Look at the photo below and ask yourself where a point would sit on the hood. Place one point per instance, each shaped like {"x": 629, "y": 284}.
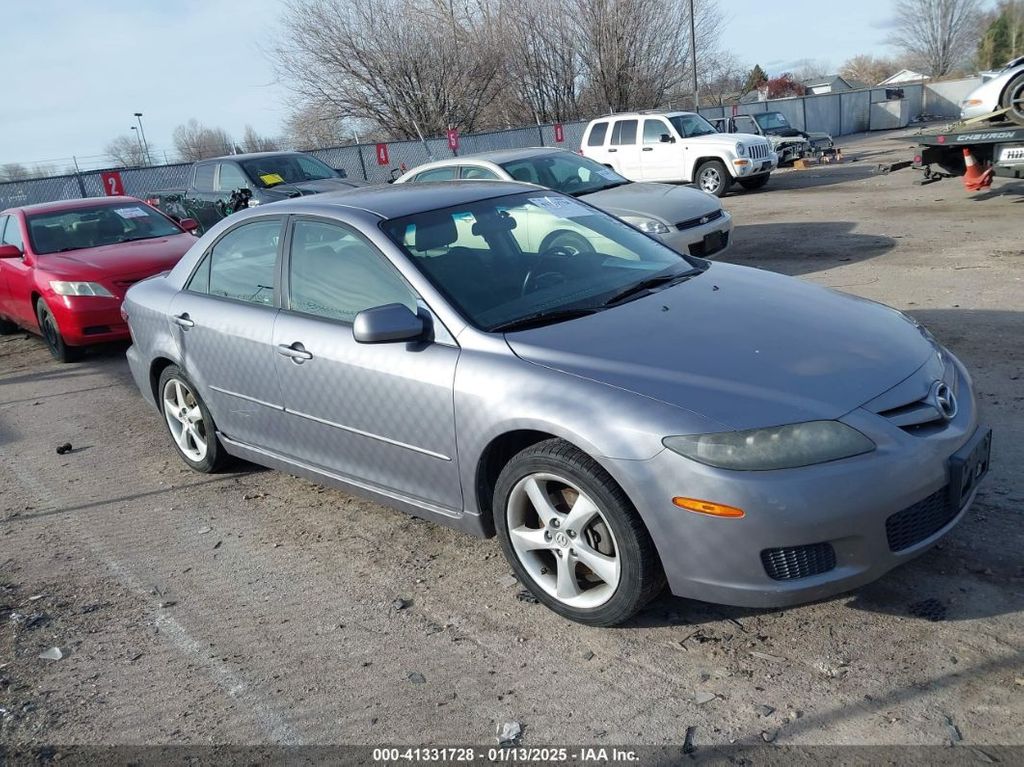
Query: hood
{"x": 786, "y": 133}
{"x": 744, "y": 347}
{"x": 671, "y": 204}
{"x": 727, "y": 139}
{"x": 138, "y": 259}
{"x": 316, "y": 186}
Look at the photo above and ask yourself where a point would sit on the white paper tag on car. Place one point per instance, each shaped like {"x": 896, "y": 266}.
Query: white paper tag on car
{"x": 131, "y": 212}
{"x": 564, "y": 207}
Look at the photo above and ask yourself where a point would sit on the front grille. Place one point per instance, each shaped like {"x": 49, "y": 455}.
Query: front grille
{"x": 792, "y": 562}
{"x": 922, "y": 520}
{"x": 759, "y": 151}
{"x": 700, "y": 249}
{"x": 700, "y": 220}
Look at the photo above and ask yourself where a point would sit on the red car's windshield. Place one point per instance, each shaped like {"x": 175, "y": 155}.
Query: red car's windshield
{"x": 97, "y": 226}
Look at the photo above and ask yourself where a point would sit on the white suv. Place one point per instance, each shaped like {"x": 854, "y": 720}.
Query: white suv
{"x": 679, "y": 146}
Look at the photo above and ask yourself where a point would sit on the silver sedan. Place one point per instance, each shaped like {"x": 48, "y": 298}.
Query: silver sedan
{"x": 619, "y": 418}
{"x": 684, "y": 218}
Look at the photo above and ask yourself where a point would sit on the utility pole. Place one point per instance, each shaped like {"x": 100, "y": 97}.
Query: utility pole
{"x": 693, "y": 56}
{"x": 149, "y": 157}
{"x": 142, "y": 149}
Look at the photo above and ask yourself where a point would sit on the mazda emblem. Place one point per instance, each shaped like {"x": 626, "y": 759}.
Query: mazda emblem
{"x": 943, "y": 399}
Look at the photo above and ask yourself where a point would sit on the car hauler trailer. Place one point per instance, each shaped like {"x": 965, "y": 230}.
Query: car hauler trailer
{"x": 996, "y": 146}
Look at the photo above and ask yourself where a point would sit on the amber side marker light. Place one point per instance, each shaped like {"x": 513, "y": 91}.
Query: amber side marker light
{"x": 707, "y": 507}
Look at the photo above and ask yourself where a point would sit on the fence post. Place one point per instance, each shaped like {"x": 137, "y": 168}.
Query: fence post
{"x": 78, "y": 177}
{"x": 540, "y": 133}
{"x": 362, "y": 162}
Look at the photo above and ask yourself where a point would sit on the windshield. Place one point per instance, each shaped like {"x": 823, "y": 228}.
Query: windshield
{"x": 564, "y": 172}
{"x": 530, "y": 255}
{"x": 286, "y": 169}
{"x": 771, "y": 121}
{"x": 97, "y": 226}
{"x": 690, "y": 125}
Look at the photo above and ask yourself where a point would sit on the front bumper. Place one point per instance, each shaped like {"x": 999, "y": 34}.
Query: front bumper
{"x": 701, "y": 240}
{"x": 842, "y": 507}
{"x": 85, "y": 320}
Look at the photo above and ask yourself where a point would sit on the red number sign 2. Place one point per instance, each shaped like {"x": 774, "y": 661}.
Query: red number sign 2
{"x": 112, "y": 184}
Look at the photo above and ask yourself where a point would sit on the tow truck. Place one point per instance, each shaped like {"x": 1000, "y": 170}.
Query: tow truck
{"x": 995, "y": 145}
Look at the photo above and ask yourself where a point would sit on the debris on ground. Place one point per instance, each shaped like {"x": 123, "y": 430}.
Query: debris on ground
{"x": 700, "y": 637}
{"x": 36, "y": 597}
{"x": 768, "y": 657}
{"x": 769, "y": 736}
{"x": 401, "y": 604}
{"x": 509, "y": 733}
{"x": 526, "y": 596}
{"x": 54, "y": 653}
{"x": 953, "y": 731}
{"x": 417, "y": 678}
{"x": 688, "y": 747}
{"x": 763, "y": 710}
{"x": 588, "y": 655}
{"x": 64, "y": 449}
{"x": 704, "y": 697}
{"x": 929, "y": 609}
{"x": 204, "y": 530}
{"x": 168, "y": 603}
{"x": 832, "y": 670}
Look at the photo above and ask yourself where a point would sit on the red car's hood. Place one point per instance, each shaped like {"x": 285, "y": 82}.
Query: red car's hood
{"x": 137, "y": 259}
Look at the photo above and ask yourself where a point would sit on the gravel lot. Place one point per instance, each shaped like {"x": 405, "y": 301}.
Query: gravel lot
{"x": 254, "y": 607}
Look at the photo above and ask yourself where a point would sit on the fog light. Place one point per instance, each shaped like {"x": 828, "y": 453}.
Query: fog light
{"x": 707, "y": 507}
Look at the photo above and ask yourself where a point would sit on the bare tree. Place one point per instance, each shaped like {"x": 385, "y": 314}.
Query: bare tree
{"x": 410, "y": 66}
{"x": 126, "y": 152}
{"x": 13, "y": 171}
{"x": 723, "y": 79}
{"x": 254, "y": 142}
{"x": 307, "y": 127}
{"x": 937, "y": 35}
{"x": 195, "y": 141}
{"x": 869, "y": 69}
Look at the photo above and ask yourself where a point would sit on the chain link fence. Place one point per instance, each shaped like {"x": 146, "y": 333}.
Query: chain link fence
{"x": 838, "y": 114}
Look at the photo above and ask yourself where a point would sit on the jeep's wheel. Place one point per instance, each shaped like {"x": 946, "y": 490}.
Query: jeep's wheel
{"x": 713, "y": 178}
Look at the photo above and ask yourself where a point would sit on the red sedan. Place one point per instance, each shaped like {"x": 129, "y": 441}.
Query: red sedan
{"x": 65, "y": 266}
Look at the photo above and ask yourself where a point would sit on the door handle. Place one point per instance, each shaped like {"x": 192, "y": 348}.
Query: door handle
{"x": 613, "y": 150}
{"x": 648, "y": 148}
{"x": 295, "y": 351}
{"x": 183, "y": 320}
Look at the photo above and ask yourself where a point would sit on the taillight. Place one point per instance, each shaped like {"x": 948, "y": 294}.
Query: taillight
{"x": 154, "y": 201}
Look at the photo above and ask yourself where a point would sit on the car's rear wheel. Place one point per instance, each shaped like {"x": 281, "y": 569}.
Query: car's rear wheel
{"x": 51, "y": 335}
{"x": 1013, "y": 99}
{"x": 572, "y": 536}
{"x": 189, "y": 422}
{"x": 757, "y": 182}
{"x": 713, "y": 178}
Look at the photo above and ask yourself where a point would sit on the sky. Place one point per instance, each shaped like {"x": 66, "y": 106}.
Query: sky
{"x": 75, "y": 72}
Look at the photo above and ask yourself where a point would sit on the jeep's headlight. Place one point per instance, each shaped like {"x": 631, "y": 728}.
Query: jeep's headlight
{"x": 741, "y": 150}
{"x": 79, "y": 289}
{"x": 645, "y": 224}
{"x": 779, "y": 447}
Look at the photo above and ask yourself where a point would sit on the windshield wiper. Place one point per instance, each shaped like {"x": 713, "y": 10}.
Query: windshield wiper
{"x": 542, "y": 318}
{"x": 147, "y": 237}
{"x": 612, "y": 185}
{"x": 634, "y": 291}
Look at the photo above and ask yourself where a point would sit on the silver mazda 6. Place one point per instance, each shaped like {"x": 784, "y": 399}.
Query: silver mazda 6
{"x": 619, "y": 417}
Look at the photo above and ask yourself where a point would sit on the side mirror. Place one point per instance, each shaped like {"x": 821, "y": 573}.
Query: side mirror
{"x": 189, "y": 225}
{"x": 342, "y": 173}
{"x": 387, "y": 324}
{"x": 667, "y": 139}
{"x": 10, "y": 251}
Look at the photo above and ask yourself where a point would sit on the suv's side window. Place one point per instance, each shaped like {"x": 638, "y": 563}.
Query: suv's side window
{"x": 12, "y": 234}
{"x": 597, "y": 134}
{"x": 242, "y": 264}
{"x": 624, "y": 132}
{"x": 335, "y": 273}
{"x": 230, "y": 178}
{"x": 744, "y": 124}
{"x": 437, "y": 174}
{"x": 203, "y": 181}
{"x": 654, "y": 130}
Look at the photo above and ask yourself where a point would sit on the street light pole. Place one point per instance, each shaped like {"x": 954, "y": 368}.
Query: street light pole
{"x": 149, "y": 157}
{"x": 693, "y": 55}
{"x": 142, "y": 151}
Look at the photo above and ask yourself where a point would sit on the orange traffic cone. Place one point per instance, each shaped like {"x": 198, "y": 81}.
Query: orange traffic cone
{"x": 976, "y": 179}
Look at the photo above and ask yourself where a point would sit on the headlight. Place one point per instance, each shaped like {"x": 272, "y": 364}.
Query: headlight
{"x": 80, "y": 289}
{"x": 780, "y": 447}
{"x": 741, "y": 150}
{"x": 253, "y": 202}
{"x": 649, "y": 225}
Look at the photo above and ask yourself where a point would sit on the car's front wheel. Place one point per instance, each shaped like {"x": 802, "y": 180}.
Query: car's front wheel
{"x": 189, "y": 422}
{"x": 757, "y": 182}
{"x": 572, "y": 536}
{"x": 713, "y": 178}
{"x": 51, "y": 334}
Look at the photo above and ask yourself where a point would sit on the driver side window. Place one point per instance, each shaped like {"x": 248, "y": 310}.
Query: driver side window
{"x": 230, "y": 178}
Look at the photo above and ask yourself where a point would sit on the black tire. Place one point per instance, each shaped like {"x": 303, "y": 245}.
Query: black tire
{"x": 757, "y": 182}
{"x": 215, "y": 456}
{"x": 641, "y": 577}
{"x": 563, "y": 238}
{"x": 50, "y": 332}
{"x": 7, "y": 327}
{"x": 1013, "y": 99}
{"x": 713, "y": 177}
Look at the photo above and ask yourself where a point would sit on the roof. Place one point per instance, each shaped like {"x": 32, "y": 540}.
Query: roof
{"x": 825, "y": 80}
{"x": 497, "y": 156}
{"x": 397, "y": 200}
{"x": 75, "y": 204}
{"x": 645, "y": 113}
{"x": 904, "y": 76}
{"x": 248, "y": 156}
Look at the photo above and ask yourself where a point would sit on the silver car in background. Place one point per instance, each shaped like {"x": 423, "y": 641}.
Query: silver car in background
{"x": 402, "y": 343}
{"x": 682, "y": 217}
{"x": 999, "y": 90}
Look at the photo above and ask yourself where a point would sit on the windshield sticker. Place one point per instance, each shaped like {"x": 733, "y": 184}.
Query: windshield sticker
{"x": 135, "y": 212}
{"x": 271, "y": 178}
{"x": 564, "y": 207}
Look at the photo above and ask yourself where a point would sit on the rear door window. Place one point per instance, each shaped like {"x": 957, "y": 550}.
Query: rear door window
{"x": 243, "y": 264}
{"x": 203, "y": 181}
{"x": 597, "y": 134}
{"x": 477, "y": 172}
{"x": 437, "y": 174}
{"x": 624, "y": 132}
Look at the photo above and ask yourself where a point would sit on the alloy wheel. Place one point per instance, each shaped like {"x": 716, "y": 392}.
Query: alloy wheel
{"x": 710, "y": 180}
{"x": 185, "y": 419}
{"x": 563, "y": 540}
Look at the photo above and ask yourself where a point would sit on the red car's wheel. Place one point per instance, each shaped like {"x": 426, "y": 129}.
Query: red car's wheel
{"x": 51, "y": 334}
